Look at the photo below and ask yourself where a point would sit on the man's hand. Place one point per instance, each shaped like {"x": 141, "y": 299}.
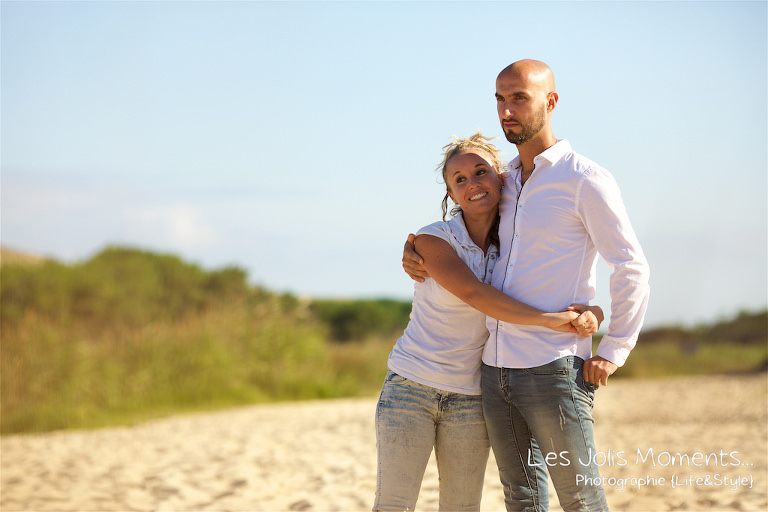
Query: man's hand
{"x": 588, "y": 321}
{"x": 597, "y": 370}
{"x": 412, "y": 261}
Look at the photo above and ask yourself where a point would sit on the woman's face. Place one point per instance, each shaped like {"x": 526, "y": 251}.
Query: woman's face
{"x": 472, "y": 182}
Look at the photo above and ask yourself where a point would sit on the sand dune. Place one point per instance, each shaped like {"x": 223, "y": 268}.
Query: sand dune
{"x": 321, "y": 456}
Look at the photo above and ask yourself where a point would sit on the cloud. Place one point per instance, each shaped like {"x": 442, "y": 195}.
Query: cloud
{"x": 179, "y": 226}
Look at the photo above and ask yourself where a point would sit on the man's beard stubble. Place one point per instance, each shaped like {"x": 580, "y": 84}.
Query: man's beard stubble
{"x": 529, "y": 130}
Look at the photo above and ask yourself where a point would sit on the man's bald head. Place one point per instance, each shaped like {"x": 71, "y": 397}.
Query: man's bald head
{"x": 532, "y": 71}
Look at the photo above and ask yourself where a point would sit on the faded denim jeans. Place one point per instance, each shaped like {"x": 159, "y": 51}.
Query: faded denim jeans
{"x": 411, "y": 420}
{"x": 551, "y": 404}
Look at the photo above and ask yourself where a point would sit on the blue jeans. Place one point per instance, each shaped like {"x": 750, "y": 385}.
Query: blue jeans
{"x": 411, "y": 420}
{"x": 540, "y": 419}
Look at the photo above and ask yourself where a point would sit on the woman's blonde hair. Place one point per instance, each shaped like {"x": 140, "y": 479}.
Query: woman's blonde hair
{"x": 477, "y": 142}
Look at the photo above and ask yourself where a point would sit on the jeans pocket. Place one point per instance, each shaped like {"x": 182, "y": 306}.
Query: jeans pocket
{"x": 394, "y": 378}
{"x": 589, "y": 386}
{"x": 560, "y": 366}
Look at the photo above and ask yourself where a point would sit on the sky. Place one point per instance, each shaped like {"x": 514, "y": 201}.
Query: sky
{"x": 299, "y": 140}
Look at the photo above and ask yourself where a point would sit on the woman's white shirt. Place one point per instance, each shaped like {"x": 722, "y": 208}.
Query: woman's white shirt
{"x": 442, "y": 346}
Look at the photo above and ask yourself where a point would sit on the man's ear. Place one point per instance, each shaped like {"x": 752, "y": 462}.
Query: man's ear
{"x": 552, "y": 98}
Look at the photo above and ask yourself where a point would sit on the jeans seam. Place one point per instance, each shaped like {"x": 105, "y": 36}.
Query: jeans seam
{"x": 573, "y": 387}
{"x": 533, "y": 484}
{"x": 532, "y": 479}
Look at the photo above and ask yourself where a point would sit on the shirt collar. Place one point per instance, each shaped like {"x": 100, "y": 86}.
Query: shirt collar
{"x": 555, "y": 152}
{"x": 460, "y": 233}
{"x": 552, "y": 154}
{"x": 459, "y": 230}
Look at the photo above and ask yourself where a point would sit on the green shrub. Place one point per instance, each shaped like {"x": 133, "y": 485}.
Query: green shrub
{"x": 736, "y": 345}
{"x": 357, "y": 319}
{"x": 129, "y": 335}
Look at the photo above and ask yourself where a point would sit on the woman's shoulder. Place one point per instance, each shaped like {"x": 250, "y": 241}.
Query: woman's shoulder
{"x": 439, "y": 228}
{"x": 452, "y": 231}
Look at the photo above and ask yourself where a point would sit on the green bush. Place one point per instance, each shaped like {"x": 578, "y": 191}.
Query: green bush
{"x": 356, "y": 319}
{"x": 129, "y": 335}
{"x": 54, "y": 377}
{"x": 117, "y": 288}
{"x": 736, "y": 345}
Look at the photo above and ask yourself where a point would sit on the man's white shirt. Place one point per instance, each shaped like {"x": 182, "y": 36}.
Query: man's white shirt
{"x": 552, "y": 231}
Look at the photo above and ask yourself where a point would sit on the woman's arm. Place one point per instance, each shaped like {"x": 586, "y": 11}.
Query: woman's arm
{"x": 450, "y": 272}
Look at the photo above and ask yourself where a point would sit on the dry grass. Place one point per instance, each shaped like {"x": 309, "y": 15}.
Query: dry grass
{"x": 10, "y": 256}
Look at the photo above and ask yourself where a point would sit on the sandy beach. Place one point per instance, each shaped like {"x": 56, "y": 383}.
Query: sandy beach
{"x": 688, "y": 443}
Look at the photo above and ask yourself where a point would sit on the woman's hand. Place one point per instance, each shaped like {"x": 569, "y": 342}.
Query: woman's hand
{"x": 562, "y": 321}
{"x": 412, "y": 262}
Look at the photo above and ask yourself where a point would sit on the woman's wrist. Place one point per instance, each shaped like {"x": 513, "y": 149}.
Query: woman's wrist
{"x": 551, "y": 320}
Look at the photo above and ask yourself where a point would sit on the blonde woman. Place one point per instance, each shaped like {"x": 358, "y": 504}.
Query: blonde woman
{"x": 431, "y": 395}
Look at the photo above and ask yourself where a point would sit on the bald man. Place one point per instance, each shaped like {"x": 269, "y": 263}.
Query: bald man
{"x": 559, "y": 211}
